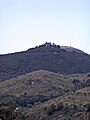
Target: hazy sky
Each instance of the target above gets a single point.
(28, 23)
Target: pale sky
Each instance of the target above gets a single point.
(28, 23)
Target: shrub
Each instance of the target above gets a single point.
(51, 109)
(60, 106)
(88, 108)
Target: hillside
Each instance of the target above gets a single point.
(44, 83)
(46, 95)
(44, 57)
(72, 106)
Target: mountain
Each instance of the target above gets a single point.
(45, 95)
(48, 82)
(48, 56)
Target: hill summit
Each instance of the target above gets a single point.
(49, 47)
(51, 57)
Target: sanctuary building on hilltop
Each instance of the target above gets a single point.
(49, 44)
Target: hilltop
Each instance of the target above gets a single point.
(48, 56)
